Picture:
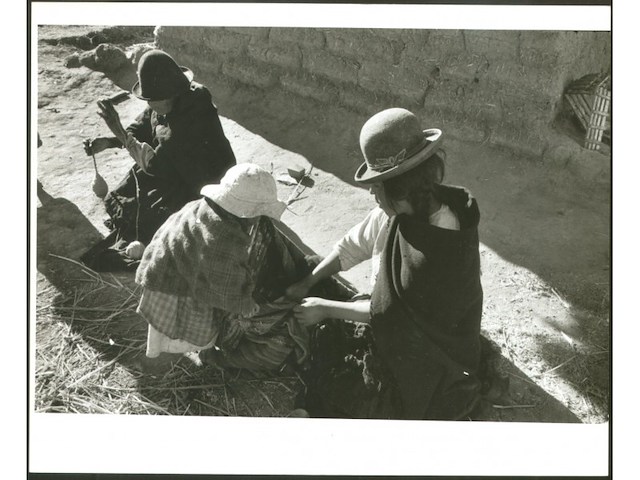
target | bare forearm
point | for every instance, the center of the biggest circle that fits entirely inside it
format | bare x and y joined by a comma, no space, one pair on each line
354,311
330,265
314,309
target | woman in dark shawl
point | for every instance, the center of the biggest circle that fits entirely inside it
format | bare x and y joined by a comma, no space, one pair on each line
419,356
178,146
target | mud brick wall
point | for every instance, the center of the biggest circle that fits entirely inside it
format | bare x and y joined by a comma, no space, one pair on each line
503,87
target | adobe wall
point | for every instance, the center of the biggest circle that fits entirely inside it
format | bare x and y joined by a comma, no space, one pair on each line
502,87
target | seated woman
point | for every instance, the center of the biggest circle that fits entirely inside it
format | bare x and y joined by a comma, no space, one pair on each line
178,146
214,275
419,357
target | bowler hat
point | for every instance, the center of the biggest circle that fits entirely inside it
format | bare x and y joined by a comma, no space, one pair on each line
246,191
392,143
160,77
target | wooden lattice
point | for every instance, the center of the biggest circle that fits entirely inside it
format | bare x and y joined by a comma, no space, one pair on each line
590,99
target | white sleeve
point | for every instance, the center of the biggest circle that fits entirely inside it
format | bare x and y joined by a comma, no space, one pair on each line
141,152
358,244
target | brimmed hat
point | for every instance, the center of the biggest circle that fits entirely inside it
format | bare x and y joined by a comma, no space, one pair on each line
392,142
160,77
246,190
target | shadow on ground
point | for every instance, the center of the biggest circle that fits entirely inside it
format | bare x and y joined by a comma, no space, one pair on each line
63,233
524,402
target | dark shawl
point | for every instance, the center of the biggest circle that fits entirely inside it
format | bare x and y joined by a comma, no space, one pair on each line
426,309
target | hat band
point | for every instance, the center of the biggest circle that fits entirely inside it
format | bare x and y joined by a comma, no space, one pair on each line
383,164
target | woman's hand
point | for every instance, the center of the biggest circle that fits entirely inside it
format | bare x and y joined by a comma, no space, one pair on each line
311,311
97,145
112,119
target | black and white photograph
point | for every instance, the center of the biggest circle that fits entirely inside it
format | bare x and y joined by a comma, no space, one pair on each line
263,231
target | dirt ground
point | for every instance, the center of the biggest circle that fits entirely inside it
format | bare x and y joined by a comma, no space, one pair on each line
545,236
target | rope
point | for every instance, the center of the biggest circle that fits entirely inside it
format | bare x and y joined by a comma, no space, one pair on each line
135,177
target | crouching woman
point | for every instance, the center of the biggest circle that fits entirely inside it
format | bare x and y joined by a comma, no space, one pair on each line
419,357
211,274
178,145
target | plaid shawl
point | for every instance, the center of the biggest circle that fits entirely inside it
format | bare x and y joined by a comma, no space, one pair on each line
202,252
258,342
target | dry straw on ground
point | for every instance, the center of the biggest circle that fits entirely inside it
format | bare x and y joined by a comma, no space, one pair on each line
90,358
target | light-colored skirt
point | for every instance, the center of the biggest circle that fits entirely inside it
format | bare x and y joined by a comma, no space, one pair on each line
157,343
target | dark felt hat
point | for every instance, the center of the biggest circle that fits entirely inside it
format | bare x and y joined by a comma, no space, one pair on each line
392,143
160,77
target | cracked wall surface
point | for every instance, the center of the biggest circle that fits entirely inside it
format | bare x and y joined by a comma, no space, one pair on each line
499,86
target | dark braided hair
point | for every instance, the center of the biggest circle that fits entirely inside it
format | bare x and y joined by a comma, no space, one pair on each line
416,185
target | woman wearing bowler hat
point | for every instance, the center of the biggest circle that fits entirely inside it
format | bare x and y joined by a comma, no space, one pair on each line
177,143
411,350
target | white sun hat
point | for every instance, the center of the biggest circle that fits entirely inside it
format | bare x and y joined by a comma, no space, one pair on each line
246,191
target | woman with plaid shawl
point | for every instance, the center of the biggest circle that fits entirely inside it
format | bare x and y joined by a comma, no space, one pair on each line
211,274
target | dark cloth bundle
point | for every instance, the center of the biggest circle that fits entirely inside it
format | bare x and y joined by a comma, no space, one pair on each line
273,336
190,151
346,378
426,310
262,343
